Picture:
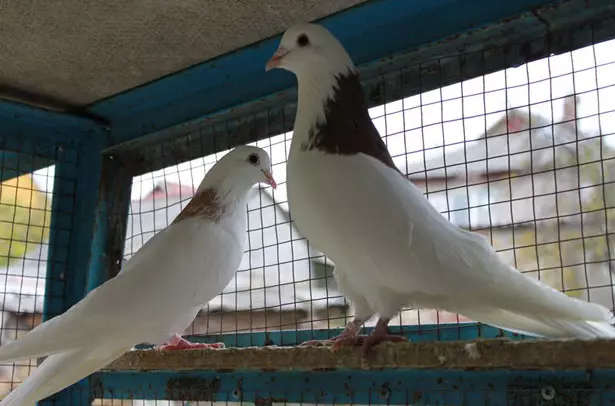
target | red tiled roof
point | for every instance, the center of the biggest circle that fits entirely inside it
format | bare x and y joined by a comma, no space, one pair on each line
169,189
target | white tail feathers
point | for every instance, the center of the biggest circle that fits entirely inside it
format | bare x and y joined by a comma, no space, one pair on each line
543,325
57,372
18,350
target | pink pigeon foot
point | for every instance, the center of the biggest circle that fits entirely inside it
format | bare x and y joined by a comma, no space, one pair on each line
348,337
379,335
179,343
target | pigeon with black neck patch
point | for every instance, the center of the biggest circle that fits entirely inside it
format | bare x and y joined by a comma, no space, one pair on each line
391,247
159,291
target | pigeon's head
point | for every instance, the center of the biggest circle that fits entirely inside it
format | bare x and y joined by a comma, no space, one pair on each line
310,49
241,168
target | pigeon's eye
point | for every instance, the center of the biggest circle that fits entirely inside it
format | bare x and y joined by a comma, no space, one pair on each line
253,159
303,40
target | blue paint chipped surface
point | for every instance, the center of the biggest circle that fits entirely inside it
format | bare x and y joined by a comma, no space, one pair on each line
399,387
383,386
77,176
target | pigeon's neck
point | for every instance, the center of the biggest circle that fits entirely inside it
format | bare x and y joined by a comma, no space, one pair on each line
317,90
233,193
205,205
218,202
338,122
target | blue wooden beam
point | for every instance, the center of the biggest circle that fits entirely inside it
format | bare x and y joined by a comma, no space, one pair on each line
111,216
73,222
41,133
32,138
13,164
389,386
409,386
377,29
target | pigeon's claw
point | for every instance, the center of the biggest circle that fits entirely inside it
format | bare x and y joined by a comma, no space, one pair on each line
379,335
347,338
179,343
350,341
315,343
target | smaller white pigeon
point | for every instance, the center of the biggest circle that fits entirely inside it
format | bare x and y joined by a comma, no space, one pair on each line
159,291
390,246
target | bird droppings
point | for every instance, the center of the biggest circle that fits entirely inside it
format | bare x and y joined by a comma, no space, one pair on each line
472,350
442,359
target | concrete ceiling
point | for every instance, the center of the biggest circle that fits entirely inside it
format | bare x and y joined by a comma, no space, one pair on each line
78,52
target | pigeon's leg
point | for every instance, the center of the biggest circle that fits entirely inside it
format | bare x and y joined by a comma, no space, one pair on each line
179,343
363,312
379,335
347,337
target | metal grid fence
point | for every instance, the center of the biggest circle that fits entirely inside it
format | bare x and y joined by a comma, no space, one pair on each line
525,156
27,291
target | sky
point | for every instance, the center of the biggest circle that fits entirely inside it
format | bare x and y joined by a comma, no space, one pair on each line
450,115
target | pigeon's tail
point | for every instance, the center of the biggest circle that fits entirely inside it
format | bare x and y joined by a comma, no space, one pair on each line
520,303
57,372
543,326
45,339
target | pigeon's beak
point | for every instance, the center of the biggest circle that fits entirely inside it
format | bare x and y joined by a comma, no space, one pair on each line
269,179
276,59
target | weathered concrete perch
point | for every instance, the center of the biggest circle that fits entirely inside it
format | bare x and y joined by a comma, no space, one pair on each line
468,355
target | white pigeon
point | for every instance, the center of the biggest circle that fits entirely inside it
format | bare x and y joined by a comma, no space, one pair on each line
391,247
159,291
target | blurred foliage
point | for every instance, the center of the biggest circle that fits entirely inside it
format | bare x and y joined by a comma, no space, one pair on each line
25,215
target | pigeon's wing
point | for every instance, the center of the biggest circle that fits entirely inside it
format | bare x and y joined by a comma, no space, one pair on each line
127,302
402,242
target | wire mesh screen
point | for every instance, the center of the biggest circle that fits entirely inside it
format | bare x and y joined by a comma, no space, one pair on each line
282,282
524,156
25,229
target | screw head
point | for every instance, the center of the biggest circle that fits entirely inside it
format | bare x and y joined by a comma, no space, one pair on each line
548,392
385,392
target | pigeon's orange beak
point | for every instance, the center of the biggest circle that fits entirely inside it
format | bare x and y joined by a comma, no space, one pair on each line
269,179
276,59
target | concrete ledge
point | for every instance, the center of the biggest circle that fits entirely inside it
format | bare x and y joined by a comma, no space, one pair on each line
464,355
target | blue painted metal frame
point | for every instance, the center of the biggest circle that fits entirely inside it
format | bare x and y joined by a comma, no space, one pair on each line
14,164
72,249
24,122
32,138
110,223
388,386
375,29
400,387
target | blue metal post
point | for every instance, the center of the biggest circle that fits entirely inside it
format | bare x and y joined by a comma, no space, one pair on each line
77,179
110,224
